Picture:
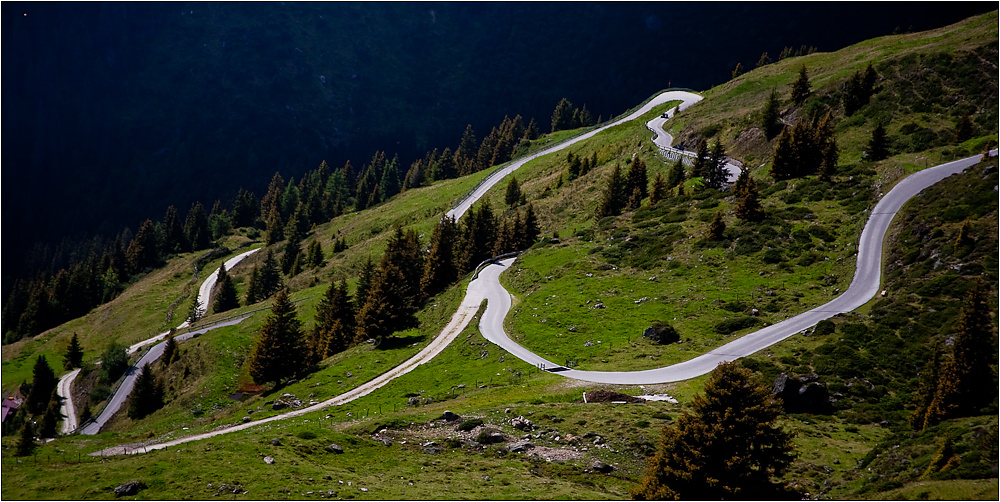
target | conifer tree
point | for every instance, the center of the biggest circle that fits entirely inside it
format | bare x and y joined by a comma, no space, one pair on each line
513,194
170,350
141,253
43,382
275,232
973,352
226,296
715,171
146,396
574,164
729,447
439,268
770,117
964,129
272,199
529,227
334,331
800,88
716,227
562,116
315,254
246,209
828,166
389,184
783,166
637,180
924,415
173,233
465,154
74,354
675,176
47,425
531,132
25,444
478,234
114,362
280,349
748,203
964,238
659,190
858,90
699,167
613,200
878,146
364,286
196,227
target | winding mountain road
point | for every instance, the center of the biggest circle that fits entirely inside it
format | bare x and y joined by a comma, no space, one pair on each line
864,287
132,374
487,286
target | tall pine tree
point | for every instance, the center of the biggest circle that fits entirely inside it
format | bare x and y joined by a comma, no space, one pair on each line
439,268
614,198
280,350
729,447
225,297
74,354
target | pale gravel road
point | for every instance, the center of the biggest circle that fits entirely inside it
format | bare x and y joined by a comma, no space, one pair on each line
115,401
476,293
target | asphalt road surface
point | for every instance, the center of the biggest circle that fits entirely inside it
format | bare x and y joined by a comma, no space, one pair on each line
864,287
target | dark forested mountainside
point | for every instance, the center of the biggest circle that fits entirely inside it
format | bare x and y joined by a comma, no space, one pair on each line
113,112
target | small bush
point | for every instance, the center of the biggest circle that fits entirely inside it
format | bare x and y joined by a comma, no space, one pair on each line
735,324
468,425
772,256
306,435
824,327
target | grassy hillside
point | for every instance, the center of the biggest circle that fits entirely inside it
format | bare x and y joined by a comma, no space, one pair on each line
651,264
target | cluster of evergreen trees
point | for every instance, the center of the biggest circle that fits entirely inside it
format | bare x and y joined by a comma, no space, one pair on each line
40,411
565,116
624,193
807,147
953,387
388,294
49,299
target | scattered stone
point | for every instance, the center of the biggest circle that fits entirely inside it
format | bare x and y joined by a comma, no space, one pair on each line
335,448
522,424
521,447
278,406
602,467
413,401
268,460
129,489
507,410
276,442
588,343
486,479
572,329
754,312
246,419
449,416
348,374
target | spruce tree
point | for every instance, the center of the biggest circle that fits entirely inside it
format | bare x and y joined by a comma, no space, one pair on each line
173,233
439,268
141,253
275,231
924,415
25,444
479,232
702,159
246,210
334,331
964,129
146,396
170,350
973,352
783,166
465,154
280,349
637,179
196,229
770,117
800,88
675,176
716,227
315,254
226,297
513,194
43,382
574,165
659,190
729,447
748,202
715,170
74,354
613,200
878,146
562,116
47,426
364,286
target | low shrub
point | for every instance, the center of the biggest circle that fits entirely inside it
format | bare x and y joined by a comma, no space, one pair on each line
468,425
735,324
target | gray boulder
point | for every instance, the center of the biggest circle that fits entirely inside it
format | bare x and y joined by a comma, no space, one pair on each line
269,460
129,489
520,447
599,466
662,334
335,448
450,416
